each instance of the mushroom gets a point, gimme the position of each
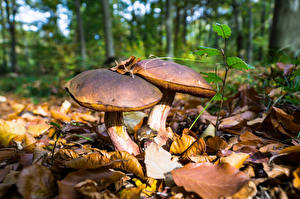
(171, 78)
(113, 93)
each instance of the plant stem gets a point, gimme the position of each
(223, 84)
(222, 100)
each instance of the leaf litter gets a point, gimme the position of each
(255, 154)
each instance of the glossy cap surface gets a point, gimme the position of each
(173, 76)
(105, 90)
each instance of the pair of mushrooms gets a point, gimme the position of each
(114, 93)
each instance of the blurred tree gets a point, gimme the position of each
(81, 34)
(169, 28)
(250, 33)
(3, 35)
(237, 26)
(109, 40)
(285, 29)
(11, 11)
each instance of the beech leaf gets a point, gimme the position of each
(158, 161)
(210, 181)
(179, 145)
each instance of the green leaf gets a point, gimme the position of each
(222, 30)
(207, 51)
(237, 63)
(212, 77)
(55, 125)
(217, 97)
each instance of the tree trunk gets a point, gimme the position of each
(11, 14)
(177, 28)
(250, 35)
(285, 29)
(184, 22)
(109, 41)
(3, 45)
(238, 27)
(262, 28)
(169, 28)
(81, 34)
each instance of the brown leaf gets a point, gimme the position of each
(233, 122)
(102, 176)
(90, 161)
(235, 159)
(36, 181)
(248, 191)
(197, 148)
(179, 145)
(210, 181)
(125, 161)
(215, 144)
(274, 170)
(286, 120)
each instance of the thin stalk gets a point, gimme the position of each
(223, 83)
(211, 100)
(222, 100)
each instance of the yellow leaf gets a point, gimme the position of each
(181, 144)
(10, 130)
(235, 159)
(296, 181)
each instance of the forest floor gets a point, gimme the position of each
(56, 149)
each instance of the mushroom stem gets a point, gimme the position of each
(117, 132)
(159, 113)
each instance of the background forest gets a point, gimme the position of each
(59, 38)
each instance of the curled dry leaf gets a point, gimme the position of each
(37, 182)
(215, 144)
(235, 159)
(158, 161)
(274, 170)
(88, 188)
(10, 130)
(209, 131)
(66, 154)
(210, 181)
(197, 148)
(179, 145)
(296, 180)
(102, 176)
(89, 161)
(125, 161)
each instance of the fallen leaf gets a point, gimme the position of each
(247, 192)
(125, 161)
(89, 161)
(179, 145)
(210, 181)
(102, 176)
(132, 193)
(36, 181)
(235, 159)
(274, 170)
(65, 107)
(60, 116)
(158, 161)
(197, 148)
(38, 129)
(215, 144)
(296, 180)
(209, 131)
(134, 120)
(10, 130)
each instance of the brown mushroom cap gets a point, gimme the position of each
(104, 90)
(173, 76)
